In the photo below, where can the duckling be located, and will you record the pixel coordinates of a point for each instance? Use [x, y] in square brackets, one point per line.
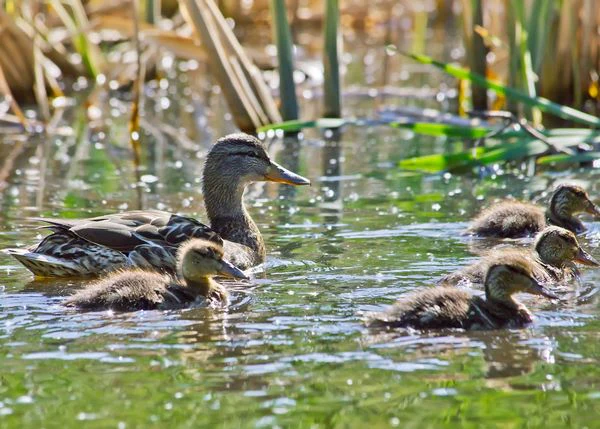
[438, 307]
[552, 257]
[150, 238]
[513, 219]
[135, 289]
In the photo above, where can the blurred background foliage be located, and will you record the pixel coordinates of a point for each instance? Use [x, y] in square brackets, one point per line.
[263, 54]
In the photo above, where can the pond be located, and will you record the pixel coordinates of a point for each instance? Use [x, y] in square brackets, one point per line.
[291, 350]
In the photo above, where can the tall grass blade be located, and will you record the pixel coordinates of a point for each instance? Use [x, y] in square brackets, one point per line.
[444, 130]
[152, 11]
[297, 125]
[537, 29]
[442, 162]
[283, 40]
[332, 98]
[541, 103]
[480, 156]
[522, 57]
[562, 158]
[77, 24]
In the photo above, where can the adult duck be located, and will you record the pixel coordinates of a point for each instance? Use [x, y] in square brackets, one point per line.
[444, 307]
[514, 219]
[552, 256]
[135, 289]
[150, 238]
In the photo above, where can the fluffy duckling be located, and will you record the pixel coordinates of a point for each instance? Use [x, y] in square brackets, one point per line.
[197, 262]
[552, 257]
[513, 219]
[437, 308]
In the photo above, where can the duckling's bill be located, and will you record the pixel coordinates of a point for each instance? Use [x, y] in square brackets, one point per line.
[279, 174]
[538, 289]
[585, 258]
[229, 270]
[593, 209]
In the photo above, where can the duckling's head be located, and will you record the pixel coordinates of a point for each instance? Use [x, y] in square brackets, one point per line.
[199, 260]
[512, 273]
[558, 246]
[568, 199]
[240, 159]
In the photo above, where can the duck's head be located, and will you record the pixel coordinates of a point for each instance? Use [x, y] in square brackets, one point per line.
[200, 259]
[568, 199]
[558, 246]
[242, 159]
[509, 274]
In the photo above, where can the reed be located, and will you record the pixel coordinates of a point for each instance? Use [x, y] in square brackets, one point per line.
[285, 57]
[331, 64]
[246, 93]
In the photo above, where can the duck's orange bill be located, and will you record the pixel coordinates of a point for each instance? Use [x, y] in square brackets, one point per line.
[276, 173]
[585, 258]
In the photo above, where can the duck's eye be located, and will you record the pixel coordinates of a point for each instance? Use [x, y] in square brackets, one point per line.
[251, 155]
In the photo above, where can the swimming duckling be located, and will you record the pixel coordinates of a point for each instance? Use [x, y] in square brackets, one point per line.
[513, 219]
[552, 257]
[197, 262]
[439, 307]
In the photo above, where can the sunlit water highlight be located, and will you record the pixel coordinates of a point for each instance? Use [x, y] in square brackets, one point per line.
[291, 350]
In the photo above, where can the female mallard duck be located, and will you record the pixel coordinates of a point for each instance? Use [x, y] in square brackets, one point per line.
[135, 289]
[513, 219]
[440, 307]
[552, 257]
[150, 238]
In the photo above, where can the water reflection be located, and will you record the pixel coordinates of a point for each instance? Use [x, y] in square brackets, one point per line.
[292, 342]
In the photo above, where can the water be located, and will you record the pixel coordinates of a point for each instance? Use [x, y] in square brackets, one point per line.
[291, 350]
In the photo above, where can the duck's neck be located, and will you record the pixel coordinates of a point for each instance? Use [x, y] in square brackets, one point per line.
[503, 306]
[223, 198]
[559, 214]
[201, 286]
[508, 311]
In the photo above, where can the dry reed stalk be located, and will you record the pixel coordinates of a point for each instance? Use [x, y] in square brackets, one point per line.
[251, 72]
[16, 58]
[5, 89]
[197, 14]
[39, 87]
[9, 163]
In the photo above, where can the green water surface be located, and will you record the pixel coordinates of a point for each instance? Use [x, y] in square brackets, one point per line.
[291, 351]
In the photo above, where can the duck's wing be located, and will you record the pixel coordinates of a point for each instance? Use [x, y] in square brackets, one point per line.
[88, 247]
[126, 231]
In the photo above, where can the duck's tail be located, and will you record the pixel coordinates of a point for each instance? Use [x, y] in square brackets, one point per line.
[45, 265]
